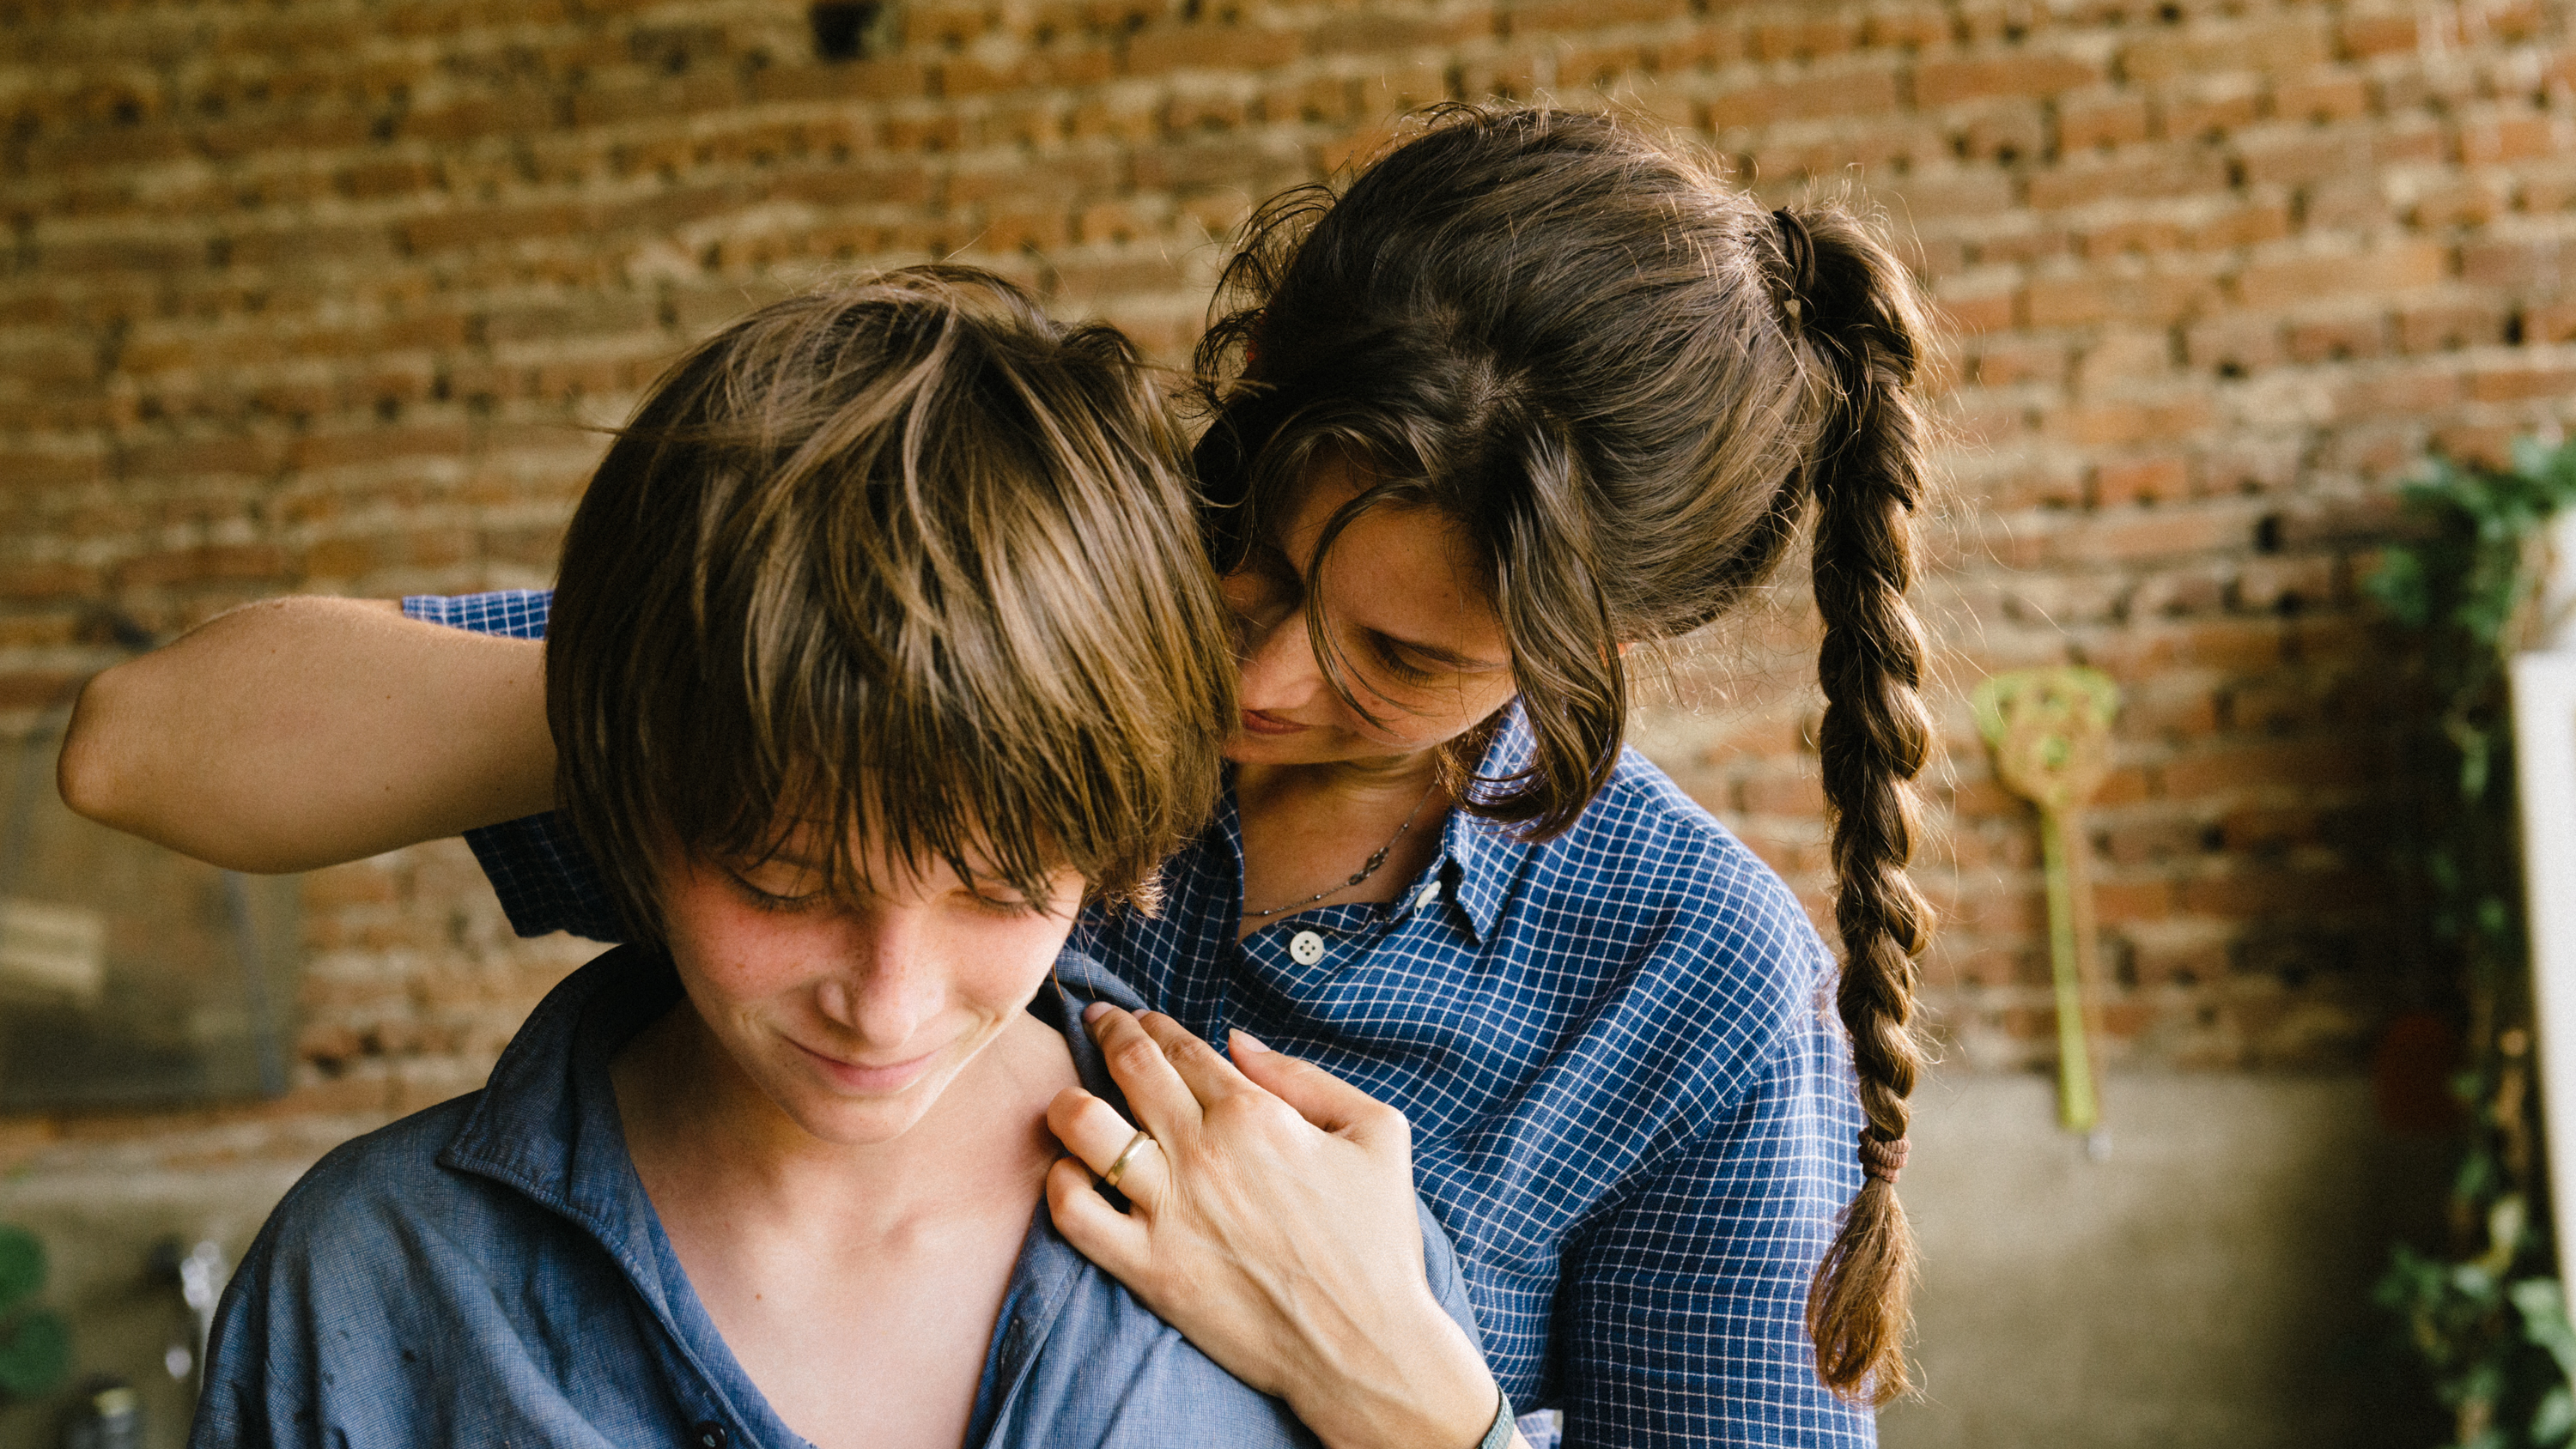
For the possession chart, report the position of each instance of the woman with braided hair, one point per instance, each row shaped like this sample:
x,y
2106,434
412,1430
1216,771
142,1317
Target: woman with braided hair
x,y
1533,388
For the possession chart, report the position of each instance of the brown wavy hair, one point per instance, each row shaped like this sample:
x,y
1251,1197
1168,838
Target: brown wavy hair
x,y
1627,381
902,559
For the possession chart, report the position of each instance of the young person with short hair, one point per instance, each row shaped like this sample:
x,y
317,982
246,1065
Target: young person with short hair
x,y
884,644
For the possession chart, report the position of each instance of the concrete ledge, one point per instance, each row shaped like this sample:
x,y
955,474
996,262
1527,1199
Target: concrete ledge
x,y
2206,1284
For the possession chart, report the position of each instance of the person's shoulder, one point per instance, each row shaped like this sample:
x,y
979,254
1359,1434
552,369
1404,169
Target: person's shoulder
x,y
1649,844
1656,914
366,1201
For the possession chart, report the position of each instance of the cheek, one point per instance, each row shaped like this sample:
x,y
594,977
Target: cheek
x,y
1011,958
729,951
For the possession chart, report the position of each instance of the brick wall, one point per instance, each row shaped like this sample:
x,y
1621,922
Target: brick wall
x,y
316,295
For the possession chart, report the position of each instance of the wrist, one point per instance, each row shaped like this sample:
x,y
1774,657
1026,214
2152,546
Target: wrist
x,y
1434,1392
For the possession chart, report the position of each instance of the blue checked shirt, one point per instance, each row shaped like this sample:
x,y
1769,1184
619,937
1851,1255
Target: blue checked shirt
x,y
1631,1106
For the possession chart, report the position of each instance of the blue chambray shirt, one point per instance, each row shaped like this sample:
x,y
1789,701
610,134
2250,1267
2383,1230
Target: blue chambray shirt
x,y
490,1271
1631,1105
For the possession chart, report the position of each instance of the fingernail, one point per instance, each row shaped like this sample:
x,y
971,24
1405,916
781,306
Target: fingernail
x,y
1244,1041
1095,1011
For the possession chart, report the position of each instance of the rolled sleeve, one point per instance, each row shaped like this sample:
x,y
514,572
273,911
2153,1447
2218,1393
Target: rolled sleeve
x,y
538,866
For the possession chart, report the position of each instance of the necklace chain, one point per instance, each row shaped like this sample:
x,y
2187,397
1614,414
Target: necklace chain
x,y
1363,873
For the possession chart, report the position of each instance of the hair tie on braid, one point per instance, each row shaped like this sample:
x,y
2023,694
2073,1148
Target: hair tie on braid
x,y
1881,1158
1798,249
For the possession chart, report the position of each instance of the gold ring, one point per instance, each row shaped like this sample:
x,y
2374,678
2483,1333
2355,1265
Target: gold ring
x,y
1118,1169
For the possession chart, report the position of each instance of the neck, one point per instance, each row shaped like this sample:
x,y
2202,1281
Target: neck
x,y
704,1137
1307,829
1375,777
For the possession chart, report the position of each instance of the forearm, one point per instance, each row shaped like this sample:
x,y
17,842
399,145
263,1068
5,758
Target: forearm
x,y
296,733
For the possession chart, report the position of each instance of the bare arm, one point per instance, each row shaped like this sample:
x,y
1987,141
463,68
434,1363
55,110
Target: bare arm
x,y
296,733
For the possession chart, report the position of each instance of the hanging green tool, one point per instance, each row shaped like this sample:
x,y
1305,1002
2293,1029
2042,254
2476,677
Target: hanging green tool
x,y
2050,730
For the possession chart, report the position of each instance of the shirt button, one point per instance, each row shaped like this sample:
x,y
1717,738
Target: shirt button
x,y
1305,948
708,1434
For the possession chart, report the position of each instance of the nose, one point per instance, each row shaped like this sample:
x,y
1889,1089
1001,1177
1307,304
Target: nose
x,y
890,985
1279,668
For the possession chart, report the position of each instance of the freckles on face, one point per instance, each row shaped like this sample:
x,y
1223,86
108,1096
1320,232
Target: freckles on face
x,y
853,1013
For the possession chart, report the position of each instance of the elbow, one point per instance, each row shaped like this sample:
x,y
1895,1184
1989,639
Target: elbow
x,y
90,772
112,770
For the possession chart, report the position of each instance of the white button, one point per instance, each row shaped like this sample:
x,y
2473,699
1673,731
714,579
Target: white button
x,y
1429,894
1305,948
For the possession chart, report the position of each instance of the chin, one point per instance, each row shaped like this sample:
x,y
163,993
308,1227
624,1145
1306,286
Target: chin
x,y
1245,748
863,1123
864,1120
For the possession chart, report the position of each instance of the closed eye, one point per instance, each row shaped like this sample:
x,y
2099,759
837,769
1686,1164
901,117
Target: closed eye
x,y
771,901
1001,902
1392,657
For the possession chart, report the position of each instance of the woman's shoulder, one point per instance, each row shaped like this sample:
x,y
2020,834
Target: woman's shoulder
x,y
1646,852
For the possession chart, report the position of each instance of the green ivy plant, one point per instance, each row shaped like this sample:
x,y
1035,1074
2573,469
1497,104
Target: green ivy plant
x,y
2485,1316
35,1346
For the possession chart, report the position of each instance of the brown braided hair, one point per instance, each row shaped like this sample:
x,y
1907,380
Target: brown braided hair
x,y
1623,379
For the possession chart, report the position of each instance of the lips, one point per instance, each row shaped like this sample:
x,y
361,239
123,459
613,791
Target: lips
x,y
866,1080
1260,722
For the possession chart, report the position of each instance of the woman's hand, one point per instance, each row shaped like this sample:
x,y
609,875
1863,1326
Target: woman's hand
x,y
1274,1226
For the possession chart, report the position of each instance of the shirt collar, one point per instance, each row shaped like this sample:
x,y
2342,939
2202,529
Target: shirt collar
x,y
1480,857
547,1125
547,1121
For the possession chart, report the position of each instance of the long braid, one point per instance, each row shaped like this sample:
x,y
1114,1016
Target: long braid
x,y
1856,311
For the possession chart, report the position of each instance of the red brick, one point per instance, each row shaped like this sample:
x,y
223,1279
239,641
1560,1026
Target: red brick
x,y
1844,93
2131,422
1804,38
2124,176
2285,281
1949,82
2444,327
2210,113
2304,157
2521,384
2399,394
2006,362
1905,27
211,563
2555,322
2138,480
2257,894
2501,139
1544,17
2323,97
1209,47
2304,766
863,80
2338,338
2516,263
2288,44
481,117
2101,122
2366,37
